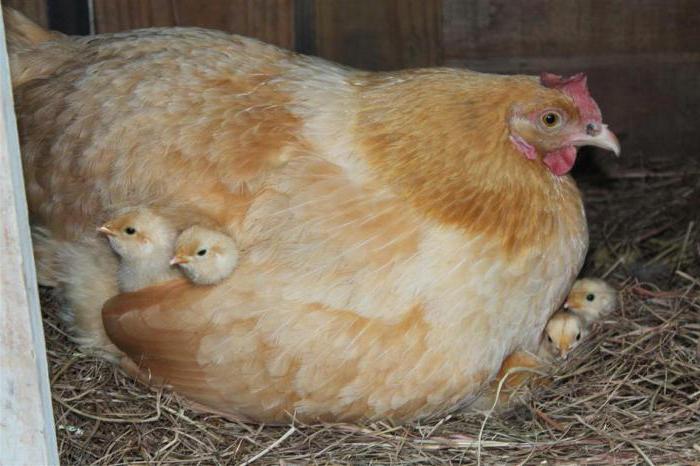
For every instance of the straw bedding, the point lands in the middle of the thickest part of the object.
(629, 395)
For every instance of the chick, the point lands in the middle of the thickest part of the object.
(205, 256)
(591, 298)
(563, 333)
(144, 242)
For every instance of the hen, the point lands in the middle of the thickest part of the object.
(401, 233)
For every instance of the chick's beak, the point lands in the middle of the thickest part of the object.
(600, 137)
(179, 260)
(106, 231)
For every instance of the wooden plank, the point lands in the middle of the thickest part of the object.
(378, 34)
(269, 20)
(27, 435)
(483, 29)
(32, 9)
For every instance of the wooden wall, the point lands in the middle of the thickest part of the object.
(268, 20)
(371, 34)
(642, 56)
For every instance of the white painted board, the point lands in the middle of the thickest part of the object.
(27, 435)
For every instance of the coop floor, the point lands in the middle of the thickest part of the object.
(629, 395)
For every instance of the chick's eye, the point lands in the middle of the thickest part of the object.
(551, 119)
(578, 336)
(549, 338)
(201, 252)
(129, 230)
(590, 297)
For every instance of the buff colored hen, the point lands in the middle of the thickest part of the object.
(403, 232)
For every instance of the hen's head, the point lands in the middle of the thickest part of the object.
(205, 256)
(138, 233)
(552, 127)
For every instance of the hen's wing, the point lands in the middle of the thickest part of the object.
(160, 329)
(177, 336)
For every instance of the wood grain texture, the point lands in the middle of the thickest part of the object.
(34, 9)
(27, 433)
(384, 35)
(269, 20)
(566, 28)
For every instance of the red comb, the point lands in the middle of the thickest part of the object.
(554, 80)
(575, 87)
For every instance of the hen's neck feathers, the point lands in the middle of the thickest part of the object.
(440, 138)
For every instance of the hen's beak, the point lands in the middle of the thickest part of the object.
(179, 260)
(106, 231)
(604, 139)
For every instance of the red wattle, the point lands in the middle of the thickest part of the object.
(561, 160)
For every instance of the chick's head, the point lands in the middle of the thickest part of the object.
(564, 332)
(205, 256)
(138, 233)
(592, 298)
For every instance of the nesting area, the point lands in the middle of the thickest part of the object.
(630, 394)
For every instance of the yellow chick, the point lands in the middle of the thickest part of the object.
(143, 240)
(563, 333)
(591, 298)
(205, 256)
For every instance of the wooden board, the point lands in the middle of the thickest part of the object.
(27, 435)
(492, 29)
(371, 34)
(269, 20)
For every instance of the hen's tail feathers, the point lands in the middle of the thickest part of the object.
(87, 278)
(84, 273)
(34, 52)
(20, 31)
(45, 256)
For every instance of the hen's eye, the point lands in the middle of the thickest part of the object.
(578, 336)
(201, 252)
(590, 297)
(129, 230)
(549, 338)
(550, 119)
